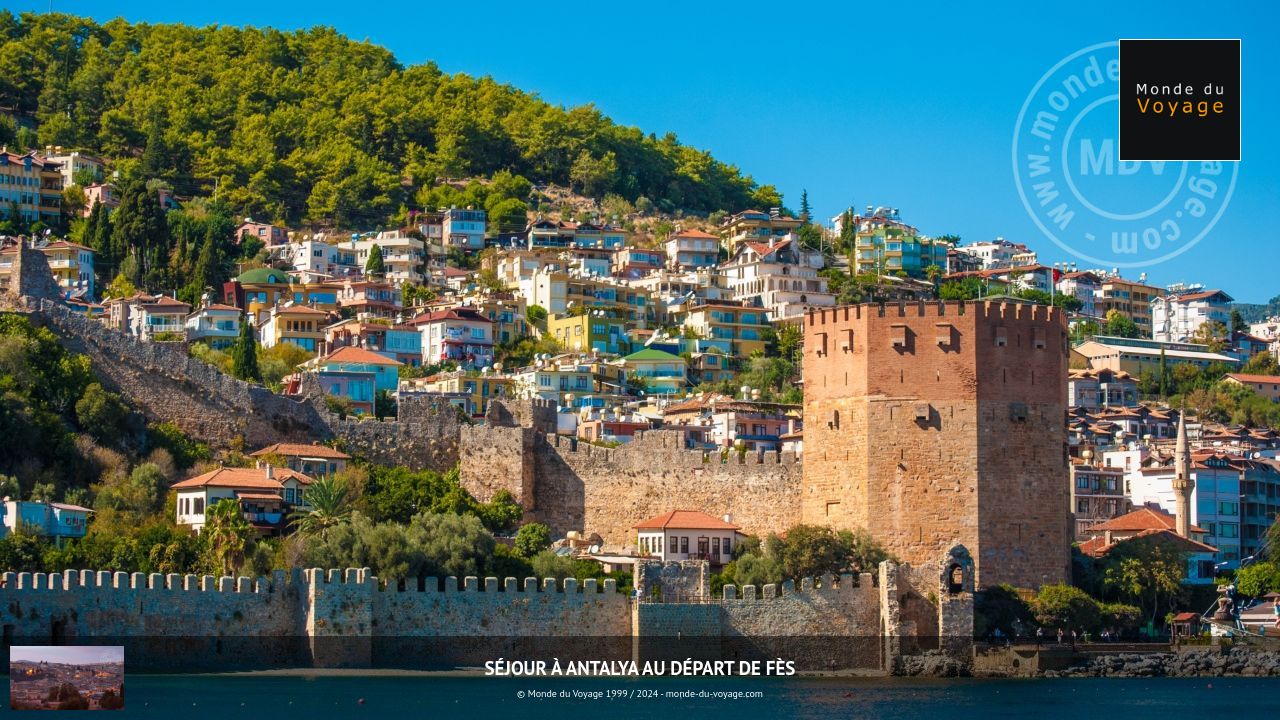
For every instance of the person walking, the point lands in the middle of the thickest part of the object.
(1039, 637)
(1060, 636)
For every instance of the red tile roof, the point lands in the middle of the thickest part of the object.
(763, 249)
(253, 478)
(454, 313)
(351, 354)
(1247, 378)
(301, 450)
(1097, 546)
(1144, 518)
(686, 520)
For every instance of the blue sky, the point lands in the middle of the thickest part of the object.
(910, 106)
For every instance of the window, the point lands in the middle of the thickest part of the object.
(1228, 508)
(675, 544)
(715, 546)
(1228, 530)
(1082, 481)
(199, 506)
(728, 546)
(1082, 506)
(684, 545)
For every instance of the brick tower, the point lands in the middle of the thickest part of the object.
(932, 424)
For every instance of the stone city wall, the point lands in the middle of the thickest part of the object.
(165, 384)
(349, 618)
(573, 485)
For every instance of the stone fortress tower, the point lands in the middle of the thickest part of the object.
(931, 424)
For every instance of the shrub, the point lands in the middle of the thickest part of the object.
(1067, 607)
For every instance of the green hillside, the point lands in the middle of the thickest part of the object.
(310, 126)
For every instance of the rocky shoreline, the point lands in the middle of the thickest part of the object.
(1207, 662)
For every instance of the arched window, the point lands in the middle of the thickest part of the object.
(955, 579)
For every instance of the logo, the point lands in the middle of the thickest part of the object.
(1082, 196)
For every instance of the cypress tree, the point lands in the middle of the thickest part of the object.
(90, 235)
(805, 210)
(1164, 375)
(374, 267)
(140, 229)
(244, 354)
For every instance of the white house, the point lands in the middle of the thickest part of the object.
(266, 495)
(688, 535)
(1176, 317)
(214, 324)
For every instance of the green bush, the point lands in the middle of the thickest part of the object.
(1067, 607)
(532, 539)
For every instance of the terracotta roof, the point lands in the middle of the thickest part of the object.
(1247, 378)
(1097, 545)
(454, 313)
(254, 478)
(1144, 518)
(763, 249)
(351, 354)
(1200, 296)
(60, 244)
(302, 450)
(686, 520)
(166, 301)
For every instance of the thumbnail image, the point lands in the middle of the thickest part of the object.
(66, 678)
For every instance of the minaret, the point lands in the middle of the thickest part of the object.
(1182, 482)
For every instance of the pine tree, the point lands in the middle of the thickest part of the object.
(805, 210)
(244, 354)
(374, 267)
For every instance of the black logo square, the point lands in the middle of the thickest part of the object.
(1179, 100)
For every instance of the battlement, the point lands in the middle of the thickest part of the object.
(1021, 312)
(76, 580)
(848, 587)
(669, 444)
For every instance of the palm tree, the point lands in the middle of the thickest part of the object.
(227, 534)
(329, 499)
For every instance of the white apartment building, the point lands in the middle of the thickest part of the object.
(781, 277)
(402, 255)
(1177, 316)
(999, 253)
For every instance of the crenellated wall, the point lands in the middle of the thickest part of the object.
(348, 618)
(165, 383)
(573, 485)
